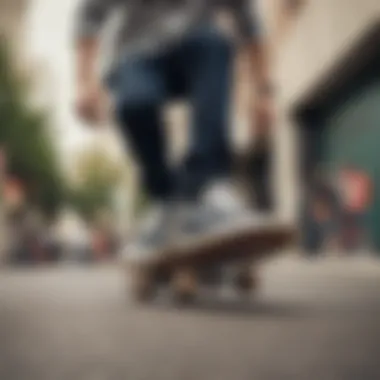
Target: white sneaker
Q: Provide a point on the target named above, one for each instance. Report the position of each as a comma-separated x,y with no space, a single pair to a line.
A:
154,233
221,209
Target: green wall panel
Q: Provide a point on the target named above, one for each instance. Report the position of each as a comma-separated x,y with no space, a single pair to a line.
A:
352,135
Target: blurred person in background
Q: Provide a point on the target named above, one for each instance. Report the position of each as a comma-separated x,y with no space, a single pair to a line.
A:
321,215
355,189
52,243
166,50
27,238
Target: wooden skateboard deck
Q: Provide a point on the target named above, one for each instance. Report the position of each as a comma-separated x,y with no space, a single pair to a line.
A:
180,265
250,242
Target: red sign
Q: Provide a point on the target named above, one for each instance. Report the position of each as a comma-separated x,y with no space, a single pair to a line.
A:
13,192
356,190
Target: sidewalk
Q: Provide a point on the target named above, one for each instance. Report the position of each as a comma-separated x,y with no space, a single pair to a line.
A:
331,263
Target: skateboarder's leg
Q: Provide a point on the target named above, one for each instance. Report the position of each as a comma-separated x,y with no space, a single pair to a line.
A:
140,90
208,62
139,94
143,130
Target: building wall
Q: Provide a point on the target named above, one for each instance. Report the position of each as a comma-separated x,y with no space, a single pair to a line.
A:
323,32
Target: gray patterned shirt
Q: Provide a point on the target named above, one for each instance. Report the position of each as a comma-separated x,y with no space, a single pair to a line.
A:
148,25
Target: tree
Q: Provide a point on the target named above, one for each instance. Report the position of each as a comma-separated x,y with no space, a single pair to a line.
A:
25,136
97,175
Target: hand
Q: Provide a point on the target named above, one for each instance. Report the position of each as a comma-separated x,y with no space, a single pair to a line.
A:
263,114
91,103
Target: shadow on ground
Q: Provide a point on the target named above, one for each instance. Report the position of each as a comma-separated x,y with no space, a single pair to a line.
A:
233,307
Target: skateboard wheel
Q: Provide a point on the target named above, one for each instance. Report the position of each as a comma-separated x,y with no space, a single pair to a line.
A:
246,281
184,285
142,285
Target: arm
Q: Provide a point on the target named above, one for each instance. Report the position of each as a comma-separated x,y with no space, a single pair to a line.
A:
256,44
258,58
91,17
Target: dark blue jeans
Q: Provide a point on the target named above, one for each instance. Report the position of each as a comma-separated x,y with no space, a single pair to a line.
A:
199,70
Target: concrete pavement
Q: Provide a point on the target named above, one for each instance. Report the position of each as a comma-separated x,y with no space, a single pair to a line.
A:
310,320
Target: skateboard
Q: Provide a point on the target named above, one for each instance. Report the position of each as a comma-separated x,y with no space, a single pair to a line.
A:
184,269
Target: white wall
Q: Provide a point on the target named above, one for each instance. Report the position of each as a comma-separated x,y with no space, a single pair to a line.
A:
325,30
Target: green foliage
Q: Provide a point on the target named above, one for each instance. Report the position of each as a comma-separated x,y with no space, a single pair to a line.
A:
24,133
142,203
97,177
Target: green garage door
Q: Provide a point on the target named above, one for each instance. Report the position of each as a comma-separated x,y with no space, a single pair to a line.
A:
353,136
